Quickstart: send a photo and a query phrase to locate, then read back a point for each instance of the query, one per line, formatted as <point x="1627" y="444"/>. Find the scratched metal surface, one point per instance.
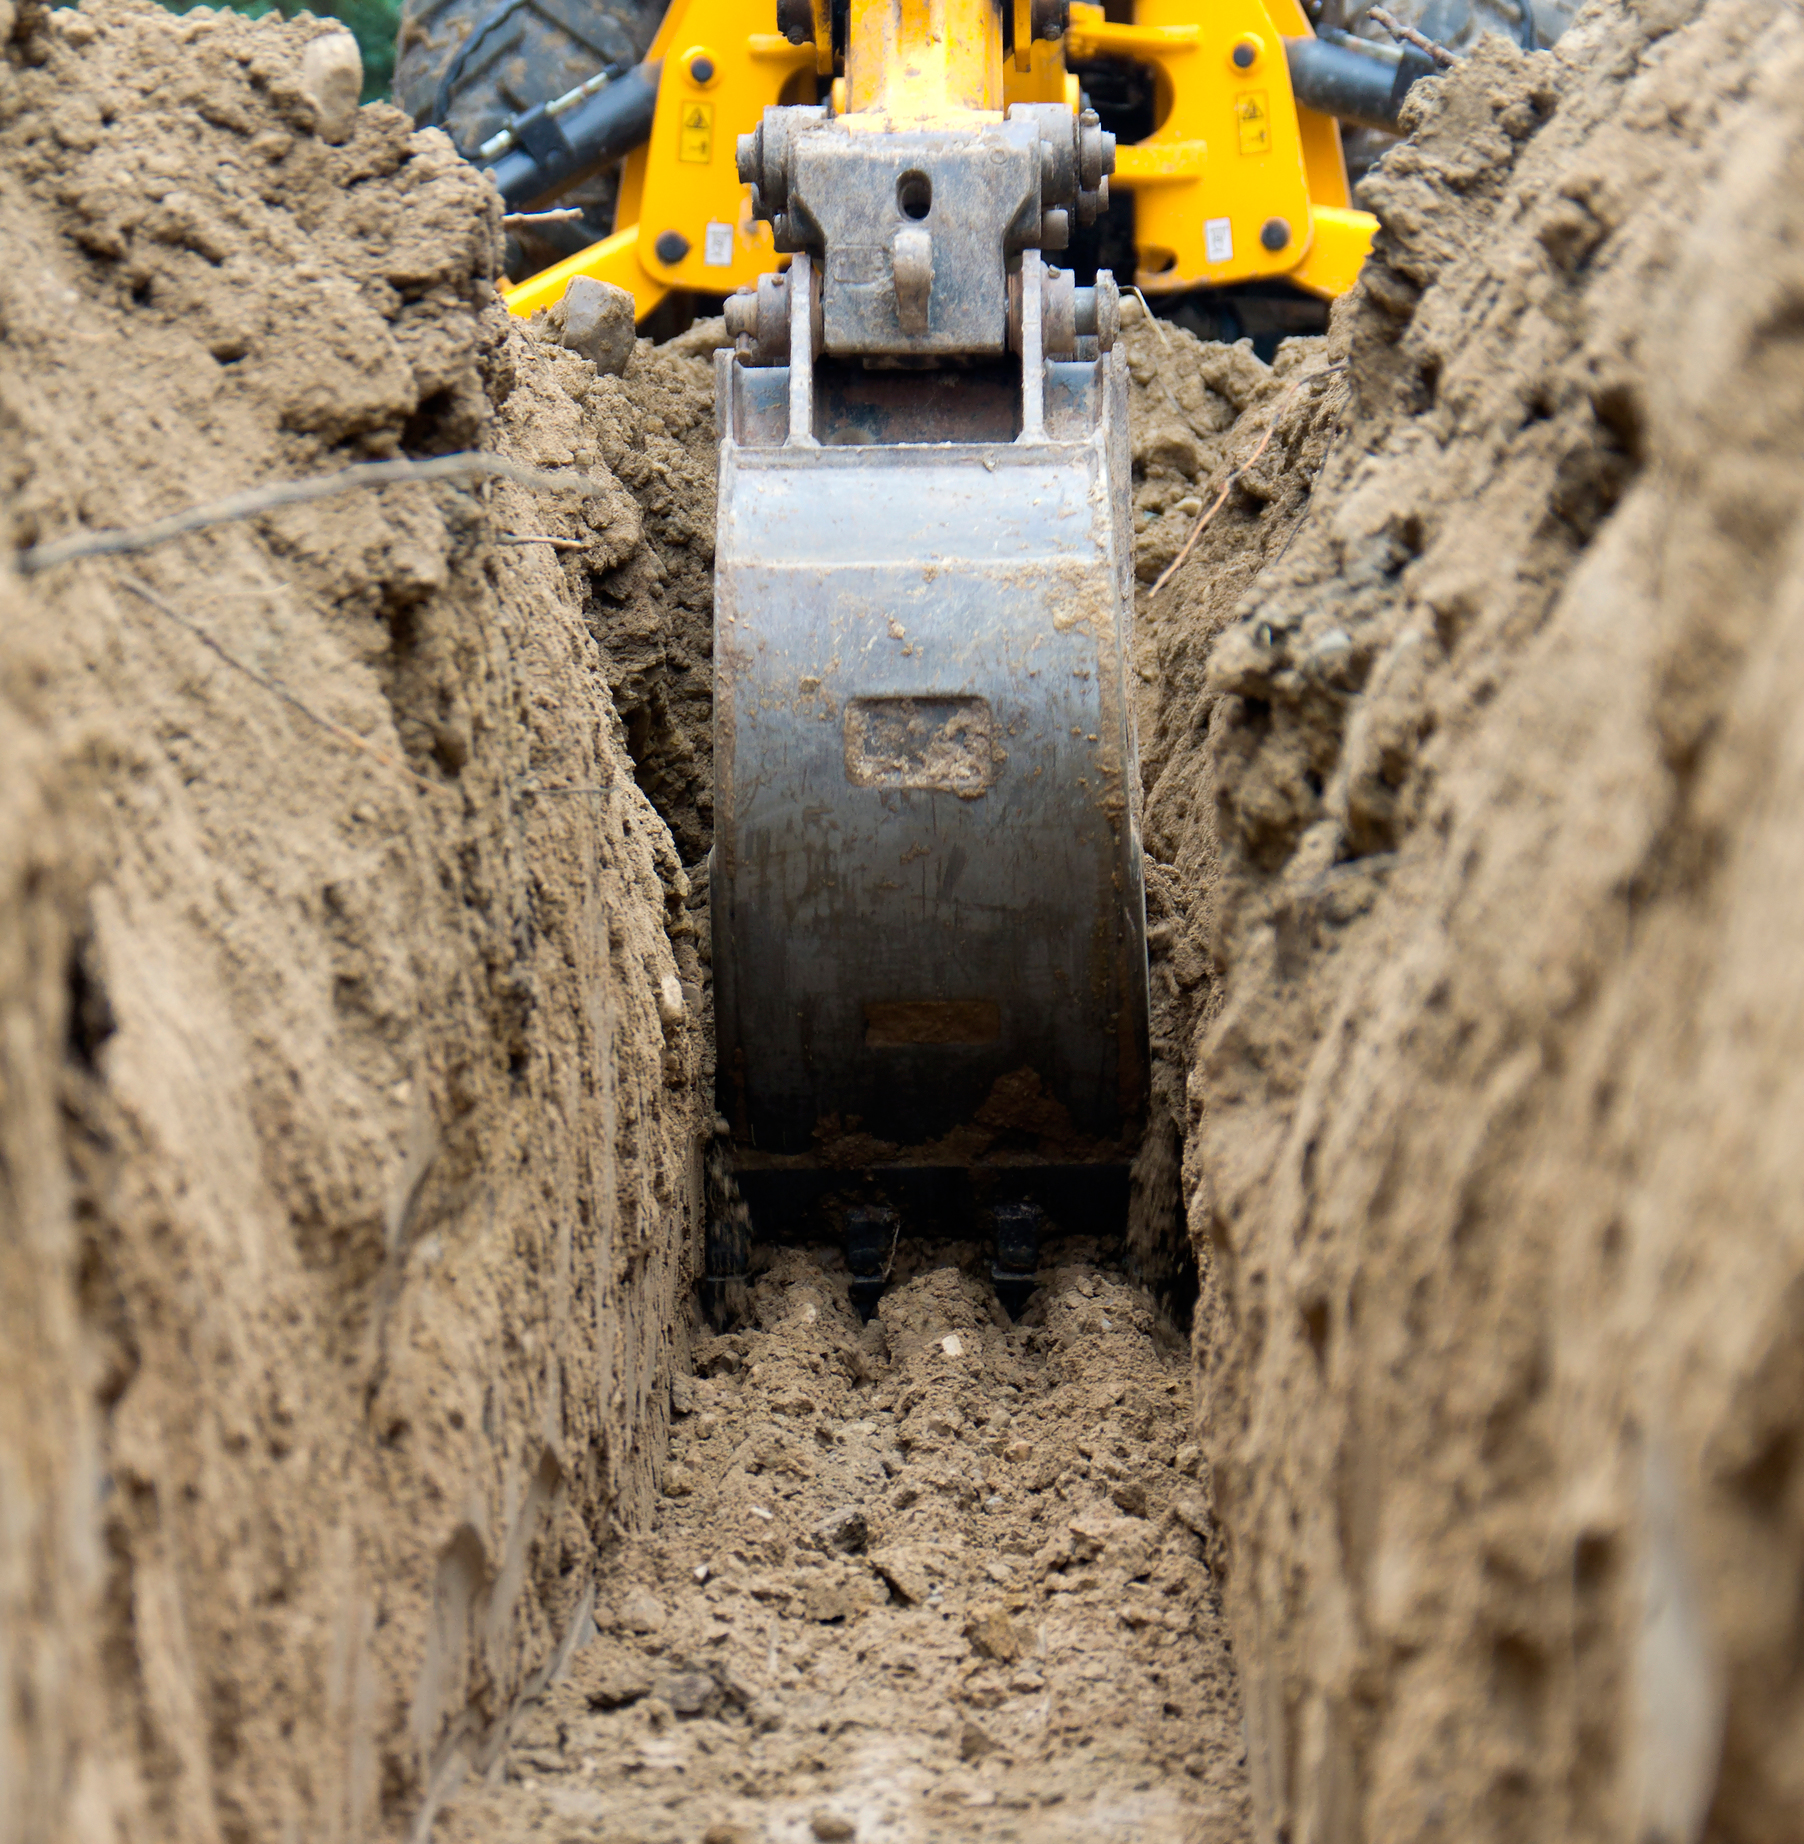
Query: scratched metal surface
<point x="981" y="870"/>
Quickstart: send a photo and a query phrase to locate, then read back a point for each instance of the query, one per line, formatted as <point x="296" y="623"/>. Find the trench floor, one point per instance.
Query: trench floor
<point x="938" y="1577"/>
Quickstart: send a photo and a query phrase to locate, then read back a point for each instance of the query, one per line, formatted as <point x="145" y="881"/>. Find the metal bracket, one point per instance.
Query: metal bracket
<point x="801" y="351"/>
<point x="1033" y="347"/>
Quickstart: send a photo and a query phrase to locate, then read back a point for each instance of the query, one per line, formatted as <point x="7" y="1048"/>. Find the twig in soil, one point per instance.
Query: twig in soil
<point x="1164" y="339"/>
<point x="1408" y="35"/>
<point x="337" y="730"/>
<point x="249" y="504"/>
<point x="563" y="215"/>
<point x="557" y="544"/>
<point x="1227" y="486"/>
<point x="526" y="787"/>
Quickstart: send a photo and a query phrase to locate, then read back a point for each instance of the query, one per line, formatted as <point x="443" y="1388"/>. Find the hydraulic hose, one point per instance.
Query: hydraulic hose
<point x="1336" y="80"/>
<point x="550" y="152"/>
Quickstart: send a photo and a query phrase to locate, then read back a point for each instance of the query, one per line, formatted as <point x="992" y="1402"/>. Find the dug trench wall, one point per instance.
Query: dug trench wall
<point x="347" y="1162"/>
<point x="1484" y="802"/>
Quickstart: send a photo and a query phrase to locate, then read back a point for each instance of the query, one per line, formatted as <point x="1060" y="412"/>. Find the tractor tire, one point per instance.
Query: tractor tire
<point x="469" y="66"/>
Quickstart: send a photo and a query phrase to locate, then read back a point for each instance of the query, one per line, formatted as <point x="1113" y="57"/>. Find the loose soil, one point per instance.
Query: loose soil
<point x="935" y="1577"/>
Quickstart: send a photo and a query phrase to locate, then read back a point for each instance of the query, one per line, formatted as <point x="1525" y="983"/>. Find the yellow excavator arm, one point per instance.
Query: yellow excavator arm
<point x="1237" y="182"/>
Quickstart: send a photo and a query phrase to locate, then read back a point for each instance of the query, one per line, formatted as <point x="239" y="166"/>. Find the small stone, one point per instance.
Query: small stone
<point x="973" y="1744"/>
<point x="1129" y="1494"/>
<point x="610" y="1679"/>
<point x="1189" y="1460"/>
<point x="993" y="1635"/>
<point x="844" y="1530"/>
<point x="682" y="1395"/>
<point x="670" y="998"/>
<point x="679" y="1482"/>
<point x="953" y="1345"/>
<point x="903" y="1573"/>
<point x="701" y="1571"/>
<point x="641" y="1611"/>
<point x="332" y="75"/>
<point x="829" y="1826"/>
<point x="597" y="321"/>
<point x="1192" y="1513"/>
<point x="726" y="1834"/>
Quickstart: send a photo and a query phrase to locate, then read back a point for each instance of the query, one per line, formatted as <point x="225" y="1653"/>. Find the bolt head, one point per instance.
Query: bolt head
<point x="1244" y="53"/>
<point x="1274" y="234"/>
<point x="702" y="69"/>
<point x="672" y="246"/>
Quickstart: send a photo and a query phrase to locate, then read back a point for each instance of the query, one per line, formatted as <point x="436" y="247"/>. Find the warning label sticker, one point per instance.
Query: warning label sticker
<point x="717" y="246"/>
<point x="1253" y="119"/>
<point x="1218" y="240"/>
<point x="695" y="134"/>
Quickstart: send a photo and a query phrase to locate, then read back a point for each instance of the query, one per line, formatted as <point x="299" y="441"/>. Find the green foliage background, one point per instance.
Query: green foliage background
<point x="372" y="22"/>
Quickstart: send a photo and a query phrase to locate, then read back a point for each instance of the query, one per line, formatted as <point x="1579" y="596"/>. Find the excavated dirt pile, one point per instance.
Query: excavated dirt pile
<point x="347" y="1145"/>
<point x="1486" y="800"/>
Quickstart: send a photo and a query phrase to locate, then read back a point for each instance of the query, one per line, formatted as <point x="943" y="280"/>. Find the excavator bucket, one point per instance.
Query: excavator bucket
<point x="928" y="920"/>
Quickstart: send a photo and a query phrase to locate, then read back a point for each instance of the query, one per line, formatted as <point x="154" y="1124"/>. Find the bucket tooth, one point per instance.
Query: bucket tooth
<point x="1019" y="1229"/>
<point x="723" y="1288"/>
<point x="726" y="1241"/>
<point x="871" y="1235"/>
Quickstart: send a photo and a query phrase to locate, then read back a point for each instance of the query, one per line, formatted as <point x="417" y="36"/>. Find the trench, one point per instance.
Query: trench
<point x="939" y="1575"/>
<point x="935" y="1576"/>
<point x="359" y="1430"/>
